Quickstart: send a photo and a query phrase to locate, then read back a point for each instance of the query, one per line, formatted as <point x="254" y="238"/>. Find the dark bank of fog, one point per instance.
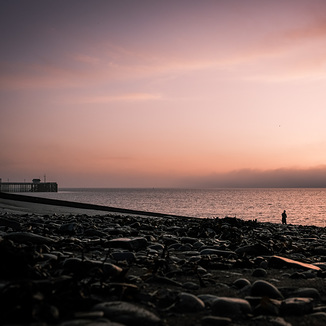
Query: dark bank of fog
<point x="251" y="178"/>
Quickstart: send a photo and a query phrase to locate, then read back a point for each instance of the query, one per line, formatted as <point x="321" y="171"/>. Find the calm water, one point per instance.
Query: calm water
<point x="303" y="206"/>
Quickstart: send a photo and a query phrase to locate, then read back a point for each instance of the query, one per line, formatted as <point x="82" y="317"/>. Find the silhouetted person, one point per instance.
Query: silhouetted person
<point x="284" y="216"/>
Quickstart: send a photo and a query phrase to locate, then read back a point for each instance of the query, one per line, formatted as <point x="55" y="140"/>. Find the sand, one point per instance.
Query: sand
<point x="20" y="207"/>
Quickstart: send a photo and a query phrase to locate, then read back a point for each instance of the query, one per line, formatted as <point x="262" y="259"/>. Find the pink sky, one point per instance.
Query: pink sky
<point x="163" y="93"/>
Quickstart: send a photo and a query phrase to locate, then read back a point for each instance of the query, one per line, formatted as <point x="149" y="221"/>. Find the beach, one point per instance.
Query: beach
<point x="71" y="266"/>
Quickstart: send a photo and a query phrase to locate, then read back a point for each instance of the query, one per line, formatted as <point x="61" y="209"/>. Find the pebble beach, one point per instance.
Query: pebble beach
<point x="68" y="268"/>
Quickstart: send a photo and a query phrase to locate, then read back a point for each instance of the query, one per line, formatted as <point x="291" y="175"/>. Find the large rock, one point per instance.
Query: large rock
<point x="262" y="288"/>
<point x="279" y="262"/>
<point x="226" y="307"/>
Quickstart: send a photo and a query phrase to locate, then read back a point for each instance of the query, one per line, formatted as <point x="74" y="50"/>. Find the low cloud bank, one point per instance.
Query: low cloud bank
<point x="278" y="178"/>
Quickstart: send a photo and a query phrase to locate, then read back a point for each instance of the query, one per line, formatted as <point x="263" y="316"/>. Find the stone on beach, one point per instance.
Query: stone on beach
<point x="224" y="306"/>
<point x="188" y="303"/>
<point x="128" y="243"/>
<point x="127" y="313"/>
<point x="305" y="293"/>
<point x="77" y="265"/>
<point x="256" y="249"/>
<point x="265" y="289"/>
<point x="123" y="256"/>
<point x="241" y="283"/>
<point x="216" y="321"/>
<point x="296" y="306"/>
<point x="25" y="237"/>
<point x="217" y="252"/>
<point x="277" y="261"/>
<point x="9" y="223"/>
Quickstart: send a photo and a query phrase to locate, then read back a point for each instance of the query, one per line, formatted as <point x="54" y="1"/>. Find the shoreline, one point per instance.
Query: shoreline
<point x="32" y="203"/>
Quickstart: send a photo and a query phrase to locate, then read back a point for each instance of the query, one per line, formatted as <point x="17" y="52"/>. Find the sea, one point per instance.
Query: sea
<point x="304" y="206"/>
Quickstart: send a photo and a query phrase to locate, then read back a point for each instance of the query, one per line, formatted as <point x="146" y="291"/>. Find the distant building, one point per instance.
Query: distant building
<point x="36" y="180"/>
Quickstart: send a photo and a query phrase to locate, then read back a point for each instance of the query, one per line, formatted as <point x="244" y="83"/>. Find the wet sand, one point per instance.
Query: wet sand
<point x="69" y="266"/>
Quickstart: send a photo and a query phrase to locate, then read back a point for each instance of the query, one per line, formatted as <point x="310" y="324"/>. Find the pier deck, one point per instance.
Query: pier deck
<point x="28" y="187"/>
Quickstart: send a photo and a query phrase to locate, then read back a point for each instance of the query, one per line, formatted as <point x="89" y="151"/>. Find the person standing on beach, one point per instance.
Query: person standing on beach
<point x="284" y="216"/>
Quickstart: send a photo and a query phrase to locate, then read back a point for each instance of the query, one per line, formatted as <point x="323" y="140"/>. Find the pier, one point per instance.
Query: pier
<point x="35" y="186"/>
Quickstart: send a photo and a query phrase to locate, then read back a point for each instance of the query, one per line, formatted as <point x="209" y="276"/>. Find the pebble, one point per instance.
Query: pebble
<point x="296" y="306"/>
<point x="187" y="303"/>
<point x="277" y="261"/>
<point x="273" y="321"/>
<point x="265" y="289"/>
<point x="225" y="306"/>
<point x="87" y="322"/>
<point x="216" y="321"/>
<point x="259" y="272"/>
<point x="127" y="313"/>
<point x="305" y="293"/>
<point x="128" y="243"/>
<point x="240" y="283"/>
<point x="123" y="256"/>
<point x="217" y="252"/>
<point x="25" y="237"/>
<point x="9" y="223"/>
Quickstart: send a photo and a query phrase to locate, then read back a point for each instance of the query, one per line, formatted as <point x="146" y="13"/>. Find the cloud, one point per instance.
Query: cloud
<point x="295" y="52"/>
<point x="316" y="29"/>
<point x="252" y="178"/>
<point x="86" y="59"/>
<point x="21" y="76"/>
<point x="131" y="97"/>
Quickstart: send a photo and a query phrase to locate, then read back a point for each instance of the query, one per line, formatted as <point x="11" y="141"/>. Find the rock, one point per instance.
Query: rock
<point x="265" y="289"/>
<point x="83" y="267"/>
<point x="270" y="320"/>
<point x="188" y="303"/>
<point x="255" y="249"/>
<point x="296" y="306"/>
<point x="208" y="299"/>
<point x="217" y="252"/>
<point x="297" y="276"/>
<point x="321" y="265"/>
<point x="259" y="272"/>
<point x="128" y="243"/>
<point x="279" y="262"/>
<point x="26" y="237"/>
<point x="225" y="306"/>
<point x="10" y="223"/>
<point x="163" y="280"/>
<point x="305" y="293"/>
<point x="123" y="256"/>
<point x="95" y="233"/>
<point x="188" y="240"/>
<point x="89" y="322"/>
<point x="241" y="283"/>
<point x="127" y="313"/>
<point x="71" y="228"/>
<point x="156" y="246"/>
<point x="190" y="286"/>
<point x="318" y="317"/>
<point x="216" y="321"/>
<point x="267" y="306"/>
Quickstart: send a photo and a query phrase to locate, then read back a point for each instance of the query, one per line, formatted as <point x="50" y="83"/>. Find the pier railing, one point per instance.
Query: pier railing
<point x="28" y="187"/>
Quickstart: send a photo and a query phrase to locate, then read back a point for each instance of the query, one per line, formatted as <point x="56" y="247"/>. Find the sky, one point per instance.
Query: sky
<point x="150" y="93"/>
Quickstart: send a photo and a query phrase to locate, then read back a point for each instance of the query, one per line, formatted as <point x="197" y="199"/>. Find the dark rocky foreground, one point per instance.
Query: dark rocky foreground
<point x="131" y="270"/>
